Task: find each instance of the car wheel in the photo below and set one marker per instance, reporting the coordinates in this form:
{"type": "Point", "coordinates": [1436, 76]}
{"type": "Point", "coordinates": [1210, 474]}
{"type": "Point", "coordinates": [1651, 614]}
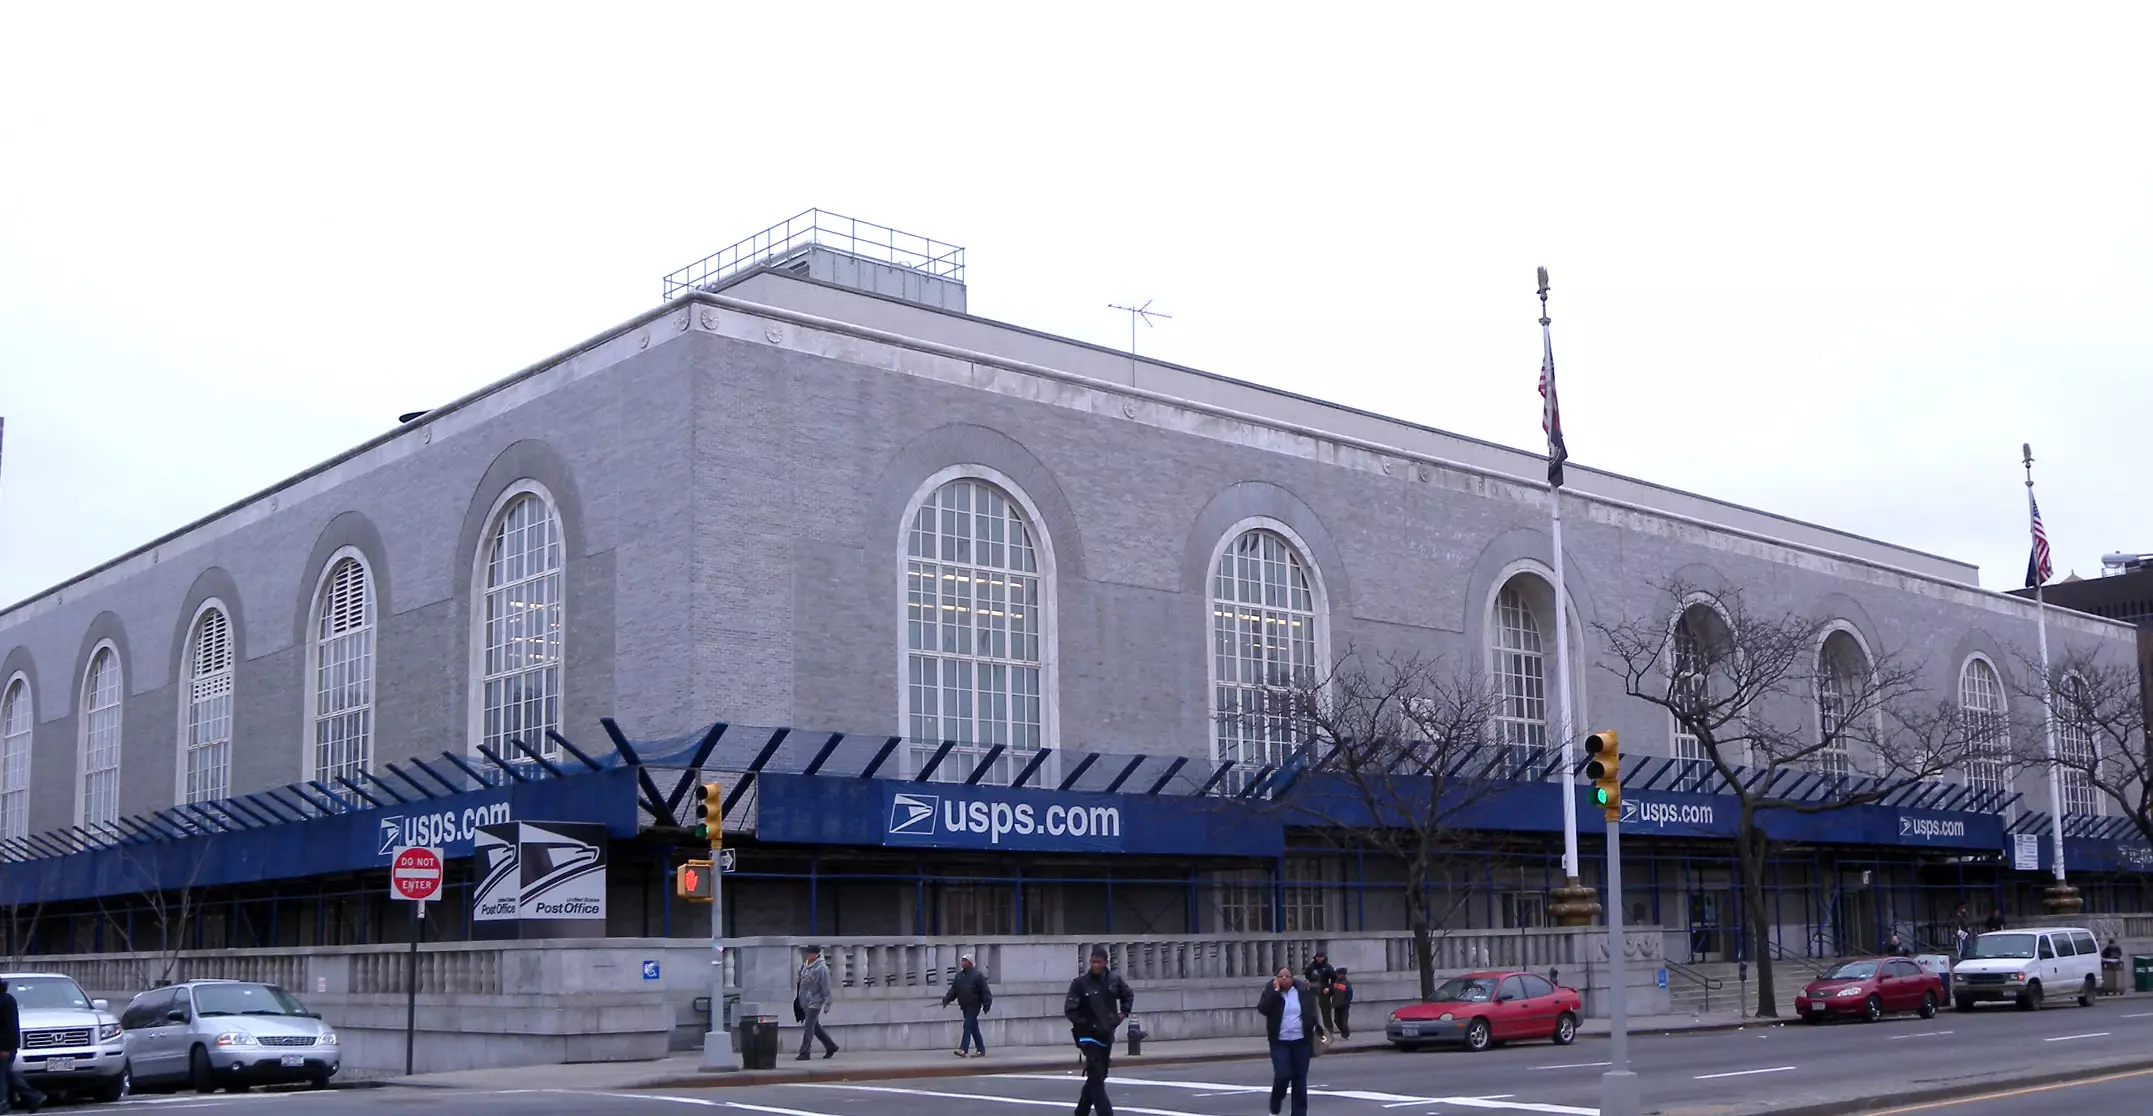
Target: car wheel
{"type": "Point", "coordinates": [1873, 1010]}
{"type": "Point", "coordinates": [116, 1089]}
{"type": "Point", "coordinates": [2086, 994]}
{"type": "Point", "coordinates": [1565, 1029]}
{"type": "Point", "coordinates": [1477, 1035]}
{"type": "Point", "coordinates": [1928, 1005]}
{"type": "Point", "coordinates": [199, 1074]}
{"type": "Point", "coordinates": [2030, 999]}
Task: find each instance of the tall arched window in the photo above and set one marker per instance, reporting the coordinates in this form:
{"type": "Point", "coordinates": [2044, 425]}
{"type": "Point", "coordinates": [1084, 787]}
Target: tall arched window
{"type": "Point", "coordinates": [521, 633]}
{"type": "Point", "coordinates": [1981, 701]}
{"type": "Point", "coordinates": [100, 705]}
{"type": "Point", "coordinates": [1686, 682]}
{"type": "Point", "coordinates": [974, 628]}
{"type": "Point", "coordinates": [2074, 746]}
{"type": "Point", "coordinates": [344, 673]}
{"type": "Point", "coordinates": [1263, 647]}
{"type": "Point", "coordinates": [1842, 675]}
{"type": "Point", "coordinates": [1521, 680]}
{"type": "Point", "coordinates": [206, 767]}
{"type": "Point", "coordinates": [15, 731]}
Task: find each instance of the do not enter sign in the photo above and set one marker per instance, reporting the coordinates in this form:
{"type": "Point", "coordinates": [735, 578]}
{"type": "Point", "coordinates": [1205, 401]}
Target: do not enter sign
{"type": "Point", "coordinates": [415, 874]}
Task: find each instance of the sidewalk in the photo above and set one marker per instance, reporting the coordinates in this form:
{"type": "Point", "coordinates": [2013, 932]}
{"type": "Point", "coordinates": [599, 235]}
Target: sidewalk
{"type": "Point", "coordinates": [681, 1071]}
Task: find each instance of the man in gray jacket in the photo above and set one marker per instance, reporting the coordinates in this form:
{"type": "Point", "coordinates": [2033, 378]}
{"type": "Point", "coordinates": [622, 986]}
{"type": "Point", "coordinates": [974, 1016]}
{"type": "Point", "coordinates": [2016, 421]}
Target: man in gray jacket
{"type": "Point", "coordinates": [811, 997]}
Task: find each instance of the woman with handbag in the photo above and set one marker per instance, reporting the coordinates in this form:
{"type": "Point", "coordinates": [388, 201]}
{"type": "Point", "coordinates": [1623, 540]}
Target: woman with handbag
{"type": "Point", "coordinates": [1294, 1024]}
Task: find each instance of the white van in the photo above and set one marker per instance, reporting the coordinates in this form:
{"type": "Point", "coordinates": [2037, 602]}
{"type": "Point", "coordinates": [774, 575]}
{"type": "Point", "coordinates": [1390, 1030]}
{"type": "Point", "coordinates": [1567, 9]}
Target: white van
{"type": "Point", "coordinates": [2027, 966]}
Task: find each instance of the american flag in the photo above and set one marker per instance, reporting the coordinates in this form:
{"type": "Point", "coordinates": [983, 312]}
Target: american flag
{"type": "Point", "coordinates": [2038, 569]}
{"type": "Point", "coordinates": [1551, 415]}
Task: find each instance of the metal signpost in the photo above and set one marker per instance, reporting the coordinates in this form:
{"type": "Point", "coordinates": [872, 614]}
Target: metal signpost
{"type": "Point", "coordinates": [415, 876]}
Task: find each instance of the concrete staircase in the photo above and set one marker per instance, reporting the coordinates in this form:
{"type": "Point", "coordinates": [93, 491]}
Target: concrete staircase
{"type": "Point", "coordinates": [1689, 996]}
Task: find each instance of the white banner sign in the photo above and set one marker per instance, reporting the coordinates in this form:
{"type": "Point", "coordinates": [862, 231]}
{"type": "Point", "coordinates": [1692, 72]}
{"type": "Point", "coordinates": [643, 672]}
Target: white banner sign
{"type": "Point", "coordinates": [2026, 852]}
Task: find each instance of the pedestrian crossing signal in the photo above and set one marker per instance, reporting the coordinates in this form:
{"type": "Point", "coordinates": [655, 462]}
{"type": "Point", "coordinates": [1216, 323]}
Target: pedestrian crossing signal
{"type": "Point", "coordinates": [1603, 765]}
{"type": "Point", "coordinates": [696, 881]}
{"type": "Point", "coordinates": [710, 814]}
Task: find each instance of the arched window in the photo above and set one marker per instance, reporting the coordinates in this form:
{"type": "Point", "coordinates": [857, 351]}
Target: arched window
{"type": "Point", "coordinates": [206, 767]}
{"type": "Point", "coordinates": [1263, 647]}
{"type": "Point", "coordinates": [1981, 701]}
{"type": "Point", "coordinates": [2074, 747]}
{"type": "Point", "coordinates": [1521, 680]}
{"type": "Point", "coordinates": [974, 628]}
{"type": "Point", "coordinates": [15, 730]}
{"type": "Point", "coordinates": [344, 674]}
{"type": "Point", "coordinates": [521, 633]}
{"type": "Point", "coordinates": [1842, 675]}
{"type": "Point", "coordinates": [100, 705]}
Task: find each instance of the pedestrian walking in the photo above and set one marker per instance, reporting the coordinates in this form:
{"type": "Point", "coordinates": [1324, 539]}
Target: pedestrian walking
{"type": "Point", "coordinates": [1320, 976]}
{"type": "Point", "coordinates": [1097, 1003]}
{"type": "Point", "coordinates": [1293, 1024]}
{"type": "Point", "coordinates": [1342, 1003]}
{"type": "Point", "coordinates": [18, 1087]}
{"type": "Point", "coordinates": [1995, 919]}
{"type": "Point", "coordinates": [810, 998]}
{"type": "Point", "coordinates": [969, 990]}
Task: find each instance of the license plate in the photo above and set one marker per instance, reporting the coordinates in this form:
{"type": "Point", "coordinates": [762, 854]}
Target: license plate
{"type": "Point", "coordinates": [1409, 1032]}
{"type": "Point", "coordinates": [59, 1065]}
{"type": "Point", "coordinates": [295, 1060]}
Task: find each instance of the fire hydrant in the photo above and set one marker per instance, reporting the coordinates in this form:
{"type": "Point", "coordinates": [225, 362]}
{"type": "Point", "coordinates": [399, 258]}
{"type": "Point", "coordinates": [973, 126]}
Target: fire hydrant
{"type": "Point", "coordinates": [1136, 1038]}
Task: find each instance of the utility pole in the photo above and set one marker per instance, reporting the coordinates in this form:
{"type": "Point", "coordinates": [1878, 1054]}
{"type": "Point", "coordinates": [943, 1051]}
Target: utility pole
{"type": "Point", "coordinates": [1144, 312]}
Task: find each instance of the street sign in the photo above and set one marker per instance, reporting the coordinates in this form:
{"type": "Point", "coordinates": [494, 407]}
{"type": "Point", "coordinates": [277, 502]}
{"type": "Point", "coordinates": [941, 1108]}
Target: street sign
{"type": "Point", "coordinates": [415, 873]}
{"type": "Point", "coordinates": [728, 859]}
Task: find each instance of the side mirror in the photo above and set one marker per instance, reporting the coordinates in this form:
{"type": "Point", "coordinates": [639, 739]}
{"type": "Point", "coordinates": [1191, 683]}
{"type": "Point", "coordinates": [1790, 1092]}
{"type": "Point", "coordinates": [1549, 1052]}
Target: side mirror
{"type": "Point", "coordinates": [101, 1005]}
{"type": "Point", "coordinates": [176, 1015]}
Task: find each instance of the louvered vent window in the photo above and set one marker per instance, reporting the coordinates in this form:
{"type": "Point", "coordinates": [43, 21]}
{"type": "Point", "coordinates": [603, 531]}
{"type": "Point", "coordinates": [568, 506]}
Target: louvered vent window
{"type": "Point", "coordinates": [209, 710]}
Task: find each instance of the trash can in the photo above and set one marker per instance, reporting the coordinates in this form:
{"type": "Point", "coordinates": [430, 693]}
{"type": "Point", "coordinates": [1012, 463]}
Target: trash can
{"type": "Point", "coordinates": [2142, 973]}
{"type": "Point", "coordinates": [758, 1042]}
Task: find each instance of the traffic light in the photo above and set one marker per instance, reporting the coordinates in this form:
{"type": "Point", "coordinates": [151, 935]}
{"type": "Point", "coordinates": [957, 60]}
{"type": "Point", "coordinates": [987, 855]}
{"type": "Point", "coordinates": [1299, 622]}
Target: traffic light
{"type": "Point", "coordinates": [696, 881]}
{"type": "Point", "coordinates": [1603, 766]}
{"type": "Point", "coordinates": [710, 814]}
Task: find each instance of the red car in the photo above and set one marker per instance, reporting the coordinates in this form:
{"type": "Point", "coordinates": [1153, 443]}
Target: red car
{"type": "Point", "coordinates": [1868, 988]}
{"type": "Point", "coordinates": [1478, 1010]}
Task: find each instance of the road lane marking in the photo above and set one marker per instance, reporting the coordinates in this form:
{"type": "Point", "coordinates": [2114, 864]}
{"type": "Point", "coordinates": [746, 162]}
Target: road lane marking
{"type": "Point", "coordinates": [1341, 1094]}
{"type": "Point", "coordinates": [1985, 1097]}
{"type": "Point", "coordinates": [1919, 1034]}
{"type": "Point", "coordinates": [2139, 1015]}
{"type": "Point", "coordinates": [1740, 1073]}
{"type": "Point", "coordinates": [1575, 1065]}
{"type": "Point", "coordinates": [2089, 1034]}
{"type": "Point", "coordinates": [988, 1098]}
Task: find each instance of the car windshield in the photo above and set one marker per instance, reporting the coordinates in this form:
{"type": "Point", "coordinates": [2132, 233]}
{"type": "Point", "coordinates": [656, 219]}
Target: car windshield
{"type": "Point", "coordinates": [52, 993]}
{"type": "Point", "coordinates": [1459, 990]}
{"type": "Point", "coordinates": [245, 999]}
{"type": "Point", "coordinates": [1852, 970]}
{"type": "Point", "coordinates": [2003, 945]}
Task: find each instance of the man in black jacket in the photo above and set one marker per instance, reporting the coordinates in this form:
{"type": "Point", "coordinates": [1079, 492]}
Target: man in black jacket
{"type": "Point", "coordinates": [1320, 976]}
{"type": "Point", "coordinates": [17, 1086]}
{"type": "Point", "coordinates": [1098, 1001]}
{"type": "Point", "coordinates": [969, 990]}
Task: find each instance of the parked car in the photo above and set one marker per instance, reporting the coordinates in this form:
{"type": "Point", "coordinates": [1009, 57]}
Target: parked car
{"type": "Point", "coordinates": [2026, 966]}
{"type": "Point", "coordinates": [71, 1044]}
{"type": "Point", "coordinates": [1869, 987]}
{"type": "Point", "coordinates": [210, 1034]}
{"type": "Point", "coordinates": [1478, 1010]}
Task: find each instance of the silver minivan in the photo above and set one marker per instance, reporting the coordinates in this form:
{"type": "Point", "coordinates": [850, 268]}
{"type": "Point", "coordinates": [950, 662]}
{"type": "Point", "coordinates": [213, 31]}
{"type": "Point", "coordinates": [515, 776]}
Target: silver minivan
{"type": "Point", "coordinates": [211, 1034]}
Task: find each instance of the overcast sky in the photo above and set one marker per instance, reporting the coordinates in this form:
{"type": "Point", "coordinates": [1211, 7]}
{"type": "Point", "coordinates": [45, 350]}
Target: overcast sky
{"type": "Point", "coordinates": [1836, 262]}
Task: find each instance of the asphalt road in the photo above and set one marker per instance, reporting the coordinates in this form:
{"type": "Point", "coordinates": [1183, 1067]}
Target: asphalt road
{"type": "Point", "coordinates": [1731, 1073]}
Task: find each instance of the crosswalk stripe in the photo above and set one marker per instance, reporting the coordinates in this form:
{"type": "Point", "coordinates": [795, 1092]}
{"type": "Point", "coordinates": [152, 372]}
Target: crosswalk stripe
{"type": "Point", "coordinates": [1341, 1094]}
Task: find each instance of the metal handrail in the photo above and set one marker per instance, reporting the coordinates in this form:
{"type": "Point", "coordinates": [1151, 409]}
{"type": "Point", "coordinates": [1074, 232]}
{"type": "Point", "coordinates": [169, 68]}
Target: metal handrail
{"type": "Point", "coordinates": [1782, 953]}
{"type": "Point", "coordinates": [780, 242]}
{"type": "Point", "coordinates": [1709, 983]}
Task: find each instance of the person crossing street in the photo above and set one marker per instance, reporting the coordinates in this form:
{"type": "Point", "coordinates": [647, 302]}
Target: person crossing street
{"type": "Point", "coordinates": [1320, 976]}
{"type": "Point", "coordinates": [811, 997]}
{"type": "Point", "coordinates": [1098, 1001]}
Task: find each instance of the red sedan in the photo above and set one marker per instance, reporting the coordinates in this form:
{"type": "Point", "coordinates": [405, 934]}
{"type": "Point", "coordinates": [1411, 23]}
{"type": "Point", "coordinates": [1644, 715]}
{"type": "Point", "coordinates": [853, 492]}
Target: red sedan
{"type": "Point", "coordinates": [1478, 1010]}
{"type": "Point", "coordinates": [1870, 987]}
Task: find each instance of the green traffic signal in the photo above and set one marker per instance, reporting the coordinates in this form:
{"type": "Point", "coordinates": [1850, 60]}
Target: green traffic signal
{"type": "Point", "coordinates": [1599, 796]}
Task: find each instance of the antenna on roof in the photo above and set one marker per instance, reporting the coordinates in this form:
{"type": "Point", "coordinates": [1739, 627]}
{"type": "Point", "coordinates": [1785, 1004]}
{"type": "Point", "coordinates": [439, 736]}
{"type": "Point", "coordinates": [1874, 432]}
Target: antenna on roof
{"type": "Point", "coordinates": [1144, 312]}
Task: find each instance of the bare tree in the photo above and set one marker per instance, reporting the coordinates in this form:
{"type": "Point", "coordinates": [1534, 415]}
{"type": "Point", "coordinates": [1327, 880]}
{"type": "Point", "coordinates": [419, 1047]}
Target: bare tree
{"type": "Point", "coordinates": [1399, 750]}
{"type": "Point", "coordinates": [172, 907]}
{"type": "Point", "coordinates": [1757, 696]}
{"type": "Point", "coordinates": [21, 928]}
{"type": "Point", "coordinates": [2102, 748]}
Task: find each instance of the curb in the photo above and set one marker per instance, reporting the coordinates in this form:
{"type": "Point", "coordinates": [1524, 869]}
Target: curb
{"type": "Point", "coordinates": [1965, 1090]}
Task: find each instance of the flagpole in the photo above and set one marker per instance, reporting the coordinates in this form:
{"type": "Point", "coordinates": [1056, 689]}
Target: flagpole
{"type": "Point", "coordinates": [1574, 903]}
{"type": "Point", "coordinates": [2061, 898]}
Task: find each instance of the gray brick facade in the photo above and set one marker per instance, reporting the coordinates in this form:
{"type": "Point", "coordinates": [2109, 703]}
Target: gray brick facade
{"type": "Point", "coordinates": [733, 474]}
